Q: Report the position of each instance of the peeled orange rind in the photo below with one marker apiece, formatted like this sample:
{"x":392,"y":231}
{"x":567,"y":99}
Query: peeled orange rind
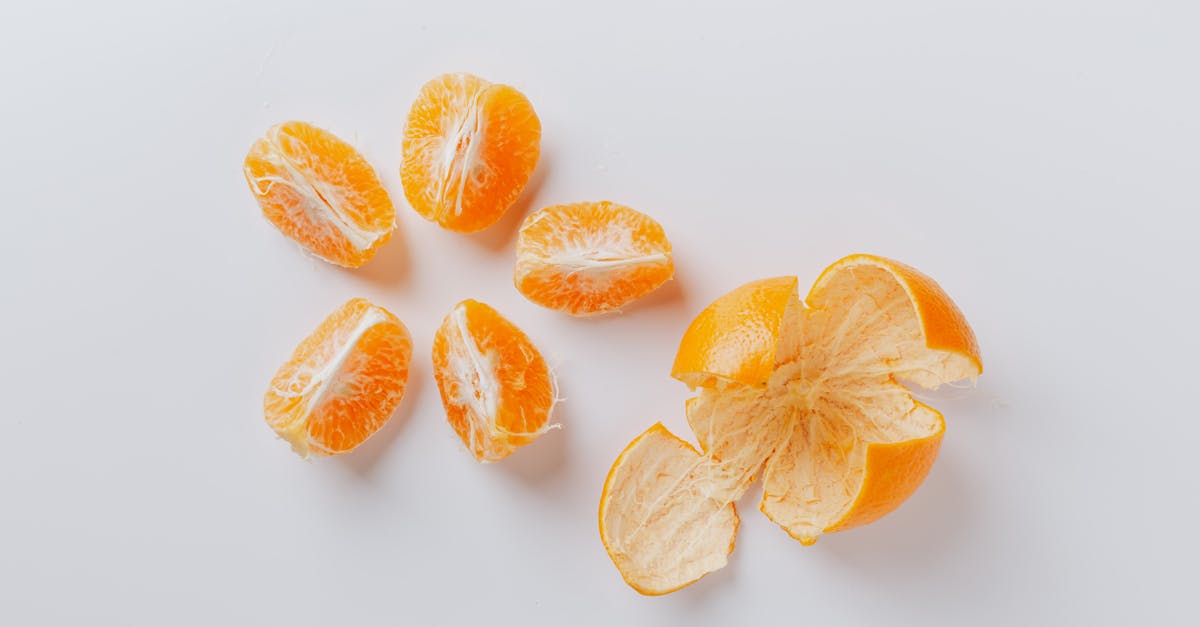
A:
{"x":319,"y":191}
{"x":649,"y":565}
{"x":591,"y":257}
{"x":342,"y":383}
{"x":495,"y":386}
{"x":469,"y":148}
{"x":805,"y":393}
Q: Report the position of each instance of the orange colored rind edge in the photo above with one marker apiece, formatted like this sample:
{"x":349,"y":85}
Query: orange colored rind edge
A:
{"x":656,"y":428}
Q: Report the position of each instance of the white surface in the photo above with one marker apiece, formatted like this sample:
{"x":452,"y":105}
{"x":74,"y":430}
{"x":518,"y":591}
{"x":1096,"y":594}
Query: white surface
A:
{"x":1038,"y":158}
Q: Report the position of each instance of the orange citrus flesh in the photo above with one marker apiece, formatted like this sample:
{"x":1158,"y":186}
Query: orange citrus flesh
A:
{"x":469,"y":148}
{"x":342,"y":383}
{"x":805,"y":394}
{"x":319,"y":191}
{"x":590,"y":257}
{"x":495,"y":386}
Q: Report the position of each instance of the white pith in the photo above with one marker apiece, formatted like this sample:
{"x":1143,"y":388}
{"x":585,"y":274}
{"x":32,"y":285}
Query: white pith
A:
{"x":832,"y":391}
{"x":456,"y":167}
{"x":584,"y":261}
{"x":581,"y":249}
{"x":479,"y":385}
{"x":590,"y":258}
{"x":322,"y":203}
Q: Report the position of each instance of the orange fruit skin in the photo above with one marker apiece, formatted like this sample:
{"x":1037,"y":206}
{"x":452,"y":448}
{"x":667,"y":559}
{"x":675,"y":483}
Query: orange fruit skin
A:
{"x":343,"y":382}
{"x":590,"y":258}
{"x":320,"y":192}
{"x":657,"y":430}
{"x":892,"y":473}
{"x":943,"y":323}
{"x":735,"y":338}
{"x":469,"y":148}
{"x":495,"y":386}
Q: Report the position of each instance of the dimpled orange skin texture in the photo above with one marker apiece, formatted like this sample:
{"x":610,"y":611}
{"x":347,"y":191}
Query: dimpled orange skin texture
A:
{"x":495,"y":386}
{"x":320,"y":192}
{"x":343,"y":382}
{"x":893,"y":473}
{"x":591,"y":257}
{"x":469,"y":147}
{"x":734,"y":342}
{"x":735,"y":337}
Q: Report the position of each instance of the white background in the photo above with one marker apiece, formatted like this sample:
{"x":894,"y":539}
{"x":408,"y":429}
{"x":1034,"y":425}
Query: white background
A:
{"x":1038,"y":158}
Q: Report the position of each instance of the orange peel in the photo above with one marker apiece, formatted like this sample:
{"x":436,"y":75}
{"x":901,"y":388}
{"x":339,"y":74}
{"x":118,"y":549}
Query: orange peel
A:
{"x":805,"y":394}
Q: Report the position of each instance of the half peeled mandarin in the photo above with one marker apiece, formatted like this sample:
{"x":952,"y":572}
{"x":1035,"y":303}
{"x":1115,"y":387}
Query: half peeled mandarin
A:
{"x":805,"y":394}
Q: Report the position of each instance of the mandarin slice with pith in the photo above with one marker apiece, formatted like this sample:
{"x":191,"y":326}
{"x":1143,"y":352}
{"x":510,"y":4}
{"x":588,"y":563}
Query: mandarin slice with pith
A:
{"x":495,"y":385}
{"x":319,"y":191}
{"x":590,"y":257}
{"x":469,"y":148}
{"x":343,"y":381}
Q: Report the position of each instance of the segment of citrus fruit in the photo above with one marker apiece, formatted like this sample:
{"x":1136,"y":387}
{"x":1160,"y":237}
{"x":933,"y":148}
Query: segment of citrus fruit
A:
{"x":343,"y":381}
{"x":806,"y":393}
{"x":590,"y":257}
{"x":319,"y":191}
{"x":495,"y":386}
{"x":469,"y":147}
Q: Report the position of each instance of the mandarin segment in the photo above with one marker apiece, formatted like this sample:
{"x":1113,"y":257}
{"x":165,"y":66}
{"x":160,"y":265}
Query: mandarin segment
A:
{"x":469,"y":148}
{"x":591,"y":257}
{"x":496,"y":388}
{"x":342,"y":383}
{"x":319,"y":191}
{"x":806,"y":392}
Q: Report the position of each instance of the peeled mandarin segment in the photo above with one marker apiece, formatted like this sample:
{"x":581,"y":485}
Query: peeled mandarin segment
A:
{"x":495,"y":386}
{"x":735,"y":337}
{"x":469,"y":148}
{"x":590,"y":258}
{"x":342,"y":383}
{"x":663,"y":525}
{"x":808,"y":392}
{"x":319,"y":191}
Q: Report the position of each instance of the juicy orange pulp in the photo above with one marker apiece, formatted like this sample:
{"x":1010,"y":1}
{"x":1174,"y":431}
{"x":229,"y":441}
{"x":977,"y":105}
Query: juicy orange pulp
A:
{"x":803,"y":393}
{"x":469,"y":148}
{"x":590,"y":258}
{"x":495,"y":385}
{"x":319,"y":191}
{"x":343,"y":381}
